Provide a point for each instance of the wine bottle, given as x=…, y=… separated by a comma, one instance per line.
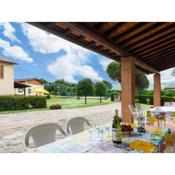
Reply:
x=116, y=129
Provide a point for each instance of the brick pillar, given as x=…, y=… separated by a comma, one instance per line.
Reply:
x=157, y=90
x=128, y=87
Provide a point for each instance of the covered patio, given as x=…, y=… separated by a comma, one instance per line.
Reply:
x=148, y=46
x=21, y=86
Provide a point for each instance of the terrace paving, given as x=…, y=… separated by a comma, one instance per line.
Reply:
x=14, y=126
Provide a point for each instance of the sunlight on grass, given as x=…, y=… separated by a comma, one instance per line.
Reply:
x=74, y=103
x=68, y=103
x=145, y=107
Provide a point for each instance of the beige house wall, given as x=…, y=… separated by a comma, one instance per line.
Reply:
x=7, y=83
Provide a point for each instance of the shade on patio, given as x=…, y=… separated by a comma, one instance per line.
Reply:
x=19, y=85
x=148, y=46
x=40, y=91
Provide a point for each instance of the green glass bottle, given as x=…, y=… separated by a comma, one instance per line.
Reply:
x=116, y=129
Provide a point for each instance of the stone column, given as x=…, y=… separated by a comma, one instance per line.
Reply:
x=128, y=87
x=157, y=90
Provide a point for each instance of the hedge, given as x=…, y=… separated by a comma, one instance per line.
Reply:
x=166, y=99
x=9, y=103
x=143, y=99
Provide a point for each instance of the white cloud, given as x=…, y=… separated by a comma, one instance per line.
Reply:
x=166, y=76
x=104, y=62
x=74, y=63
x=9, y=31
x=69, y=66
x=45, y=42
x=14, y=51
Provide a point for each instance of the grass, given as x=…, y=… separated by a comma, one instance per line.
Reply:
x=74, y=103
x=68, y=103
x=65, y=103
x=145, y=107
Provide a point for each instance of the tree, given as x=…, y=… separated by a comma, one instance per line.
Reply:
x=100, y=89
x=43, y=81
x=114, y=72
x=85, y=88
x=51, y=88
x=107, y=84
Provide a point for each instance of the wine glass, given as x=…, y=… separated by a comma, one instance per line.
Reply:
x=102, y=130
x=91, y=133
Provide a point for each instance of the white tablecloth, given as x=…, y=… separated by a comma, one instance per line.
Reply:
x=167, y=109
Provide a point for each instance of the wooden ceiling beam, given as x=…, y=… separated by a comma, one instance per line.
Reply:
x=69, y=38
x=162, y=59
x=133, y=28
x=158, y=29
x=159, y=51
x=114, y=28
x=108, y=44
x=99, y=25
x=165, y=66
x=157, y=47
x=150, y=28
x=163, y=54
x=146, y=67
x=149, y=44
x=171, y=54
x=88, y=32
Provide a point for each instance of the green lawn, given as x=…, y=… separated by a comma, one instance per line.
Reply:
x=74, y=103
x=145, y=107
x=65, y=103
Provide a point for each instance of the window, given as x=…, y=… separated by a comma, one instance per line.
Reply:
x=1, y=72
x=29, y=91
x=20, y=90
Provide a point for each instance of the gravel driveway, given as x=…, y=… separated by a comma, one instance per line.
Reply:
x=14, y=126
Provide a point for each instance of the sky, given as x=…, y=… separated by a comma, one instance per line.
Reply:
x=42, y=55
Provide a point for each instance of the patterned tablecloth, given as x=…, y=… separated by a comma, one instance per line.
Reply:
x=90, y=141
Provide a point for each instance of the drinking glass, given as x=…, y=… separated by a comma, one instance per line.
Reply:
x=101, y=129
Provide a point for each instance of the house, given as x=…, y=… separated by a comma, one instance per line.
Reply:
x=6, y=77
x=32, y=84
x=9, y=86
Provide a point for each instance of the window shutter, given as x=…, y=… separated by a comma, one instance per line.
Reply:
x=1, y=72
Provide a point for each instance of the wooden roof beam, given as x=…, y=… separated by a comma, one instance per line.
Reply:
x=160, y=52
x=86, y=31
x=149, y=35
x=152, y=43
x=157, y=47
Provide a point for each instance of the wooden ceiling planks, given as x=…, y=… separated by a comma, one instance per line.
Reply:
x=153, y=44
x=147, y=34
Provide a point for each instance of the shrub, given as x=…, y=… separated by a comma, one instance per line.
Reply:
x=166, y=99
x=168, y=93
x=9, y=103
x=112, y=97
x=143, y=99
x=48, y=96
x=55, y=106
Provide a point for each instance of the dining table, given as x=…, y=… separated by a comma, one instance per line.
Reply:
x=95, y=141
x=167, y=111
